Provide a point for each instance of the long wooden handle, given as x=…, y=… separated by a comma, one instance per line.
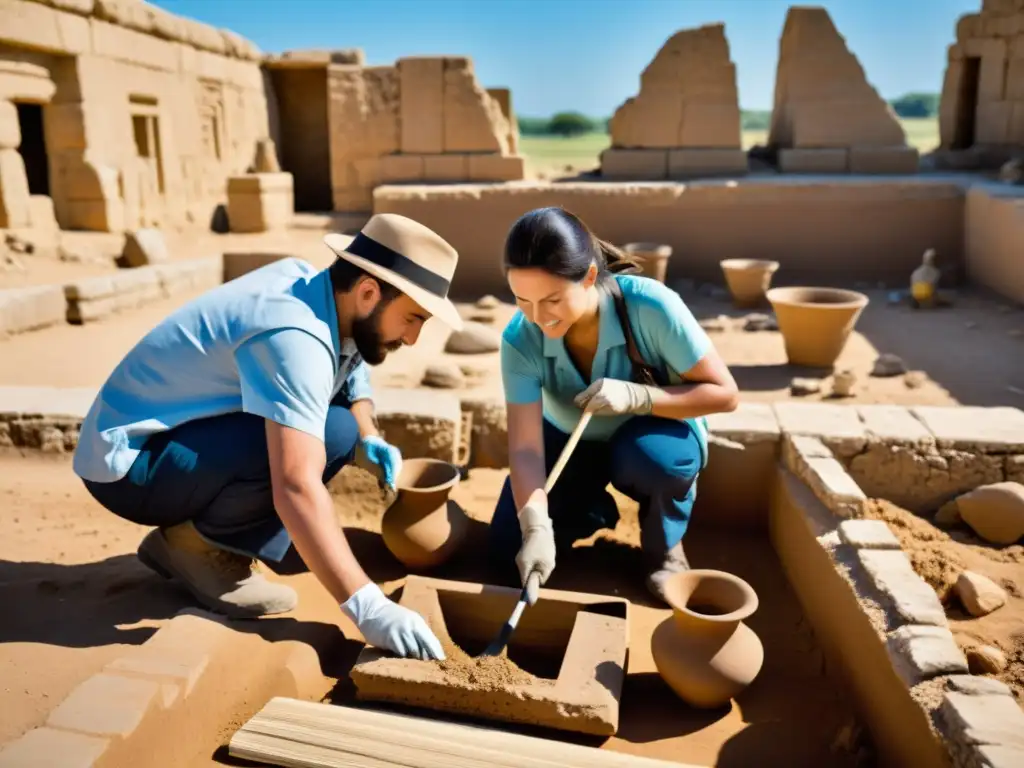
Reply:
x=563, y=457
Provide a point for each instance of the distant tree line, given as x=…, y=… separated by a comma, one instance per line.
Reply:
x=569, y=124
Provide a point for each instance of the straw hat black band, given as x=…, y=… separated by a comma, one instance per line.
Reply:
x=369, y=249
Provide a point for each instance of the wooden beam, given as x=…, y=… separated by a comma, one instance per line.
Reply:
x=303, y=734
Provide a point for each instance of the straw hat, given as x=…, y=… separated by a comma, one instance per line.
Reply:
x=409, y=256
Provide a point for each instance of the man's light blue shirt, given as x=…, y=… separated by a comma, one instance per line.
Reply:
x=265, y=343
x=668, y=337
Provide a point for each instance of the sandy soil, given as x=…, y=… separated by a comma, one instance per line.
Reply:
x=940, y=556
x=81, y=596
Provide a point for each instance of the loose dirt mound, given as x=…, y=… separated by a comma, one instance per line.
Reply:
x=939, y=557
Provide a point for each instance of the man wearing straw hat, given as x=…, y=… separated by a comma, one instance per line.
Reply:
x=222, y=426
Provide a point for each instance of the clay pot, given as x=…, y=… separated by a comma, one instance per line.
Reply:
x=815, y=322
x=422, y=527
x=704, y=651
x=653, y=258
x=748, y=279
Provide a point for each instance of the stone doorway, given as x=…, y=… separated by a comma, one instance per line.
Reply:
x=33, y=148
x=967, y=104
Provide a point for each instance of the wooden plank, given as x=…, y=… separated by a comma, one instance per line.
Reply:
x=303, y=734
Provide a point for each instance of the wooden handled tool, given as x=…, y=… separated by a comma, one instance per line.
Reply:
x=499, y=643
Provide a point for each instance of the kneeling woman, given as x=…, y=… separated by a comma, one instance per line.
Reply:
x=567, y=351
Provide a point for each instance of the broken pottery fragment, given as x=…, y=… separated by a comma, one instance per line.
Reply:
x=843, y=383
x=704, y=651
x=423, y=527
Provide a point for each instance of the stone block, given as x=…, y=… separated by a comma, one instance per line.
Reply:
x=401, y=168
x=814, y=160
x=586, y=651
x=920, y=653
x=831, y=123
x=26, y=309
x=421, y=112
x=70, y=403
x=903, y=591
x=893, y=424
x=497, y=168
x=983, y=720
x=710, y=126
x=976, y=685
x=974, y=428
x=868, y=534
x=694, y=163
x=41, y=213
x=422, y=423
x=1015, y=80
x=473, y=121
x=144, y=247
x=489, y=432
x=884, y=160
x=260, y=202
x=14, y=194
x=1015, y=469
x=635, y=164
x=448, y=167
x=10, y=128
x=992, y=78
x=107, y=705
x=798, y=449
x=837, y=426
x=94, y=298
x=993, y=122
x=749, y=423
x=834, y=486
x=51, y=748
x=182, y=667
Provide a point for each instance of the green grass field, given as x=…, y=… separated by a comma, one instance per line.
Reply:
x=552, y=156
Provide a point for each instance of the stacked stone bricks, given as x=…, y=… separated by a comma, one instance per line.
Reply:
x=424, y=119
x=827, y=117
x=144, y=114
x=984, y=82
x=685, y=121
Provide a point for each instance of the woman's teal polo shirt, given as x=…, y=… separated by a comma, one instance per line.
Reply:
x=668, y=336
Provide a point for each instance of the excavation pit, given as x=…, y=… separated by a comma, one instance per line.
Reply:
x=563, y=668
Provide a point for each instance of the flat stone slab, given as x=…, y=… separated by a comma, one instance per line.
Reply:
x=838, y=426
x=589, y=633
x=892, y=423
x=868, y=534
x=923, y=652
x=749, y=423
x=907, y=593
x=978, y=720
x=52, y=748
x=989, y=430
x=45, y=402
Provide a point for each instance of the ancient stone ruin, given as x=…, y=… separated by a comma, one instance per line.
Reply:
x=118, y=114
x=685, y=121
x=827, y=117
x=982, y=108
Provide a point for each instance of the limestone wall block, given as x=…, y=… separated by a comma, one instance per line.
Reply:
x=882, y=160
x=14, y=194
x=692, y=163
x=10, y=130
x=123, y=44
x=993, y=122
x=448, y=167
x=705, y=126
x=26, y=309
x=399, y=168
x=798, y=160
x=24, y=81
x=634, y=164
x=24, y=23
x=422, y=107
x=260, y=202
x=473, y=121
x=496, y=168
x=992, y=78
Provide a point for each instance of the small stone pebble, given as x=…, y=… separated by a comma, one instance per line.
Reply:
x=799, y=386
x=843, y=383
x=888, y=364
x=914, y=379
x=443, y=376
x=715, y=324
x=979, y=594
x=760, y=322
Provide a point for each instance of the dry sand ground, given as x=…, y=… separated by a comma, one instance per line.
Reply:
x=76, y=595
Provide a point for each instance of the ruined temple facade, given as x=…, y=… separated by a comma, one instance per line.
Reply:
x=685, y=121
x=346, y=128
x=983, y=90
x=115, y=114
x=827, y=117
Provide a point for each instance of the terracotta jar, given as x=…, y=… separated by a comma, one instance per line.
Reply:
x=816, y=322
x=704, y=651
x=423, y=527
x=748, y=279
x=653, y=258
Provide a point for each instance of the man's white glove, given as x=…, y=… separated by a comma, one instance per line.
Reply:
x=614, y=397
x=537, y=553
x=390, y=626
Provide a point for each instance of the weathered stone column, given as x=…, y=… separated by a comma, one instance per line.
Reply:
x=14, y=196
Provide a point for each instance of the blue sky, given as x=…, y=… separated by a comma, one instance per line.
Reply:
x=587, y=55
